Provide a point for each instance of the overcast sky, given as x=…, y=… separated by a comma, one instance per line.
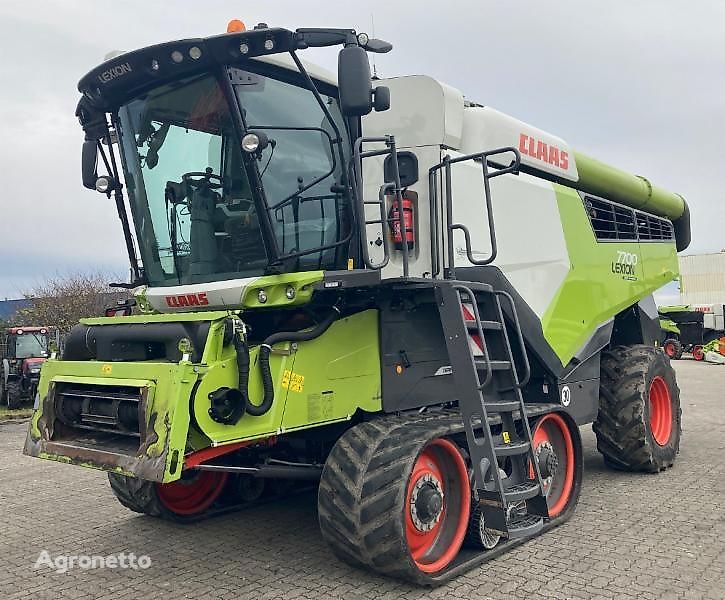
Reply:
x=639, y=84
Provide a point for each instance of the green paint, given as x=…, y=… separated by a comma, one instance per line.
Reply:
x=600, y=179
x=669, y=326
x=680, y=308
x=592, y=293
x=184, y=317
x=321, y=381
x=341, y=371
x=276, y=287
x=168, y=387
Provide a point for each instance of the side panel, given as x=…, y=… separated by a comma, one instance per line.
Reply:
x=324, y=380
x=532, y=251
x=600, y=283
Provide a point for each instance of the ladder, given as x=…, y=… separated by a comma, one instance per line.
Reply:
x=487, y=385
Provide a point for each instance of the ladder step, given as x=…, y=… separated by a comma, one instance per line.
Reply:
x=522, y=491
x=524, y=526
x=500, y=407
x=485, y=325
x=496, y=365
x=520, y=447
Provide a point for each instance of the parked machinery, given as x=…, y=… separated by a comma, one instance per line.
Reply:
x=410, y=297
x=23, y=351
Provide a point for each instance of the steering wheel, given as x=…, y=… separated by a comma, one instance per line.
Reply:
x=197, y=179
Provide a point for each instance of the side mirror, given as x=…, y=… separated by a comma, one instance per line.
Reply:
x=354, y=81
x=89, y=164
x=381, y=97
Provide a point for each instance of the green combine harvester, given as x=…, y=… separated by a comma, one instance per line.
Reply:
x=374, y=284
x=691, y=328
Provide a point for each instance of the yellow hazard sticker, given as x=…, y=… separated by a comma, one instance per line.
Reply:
x=506, y=437
x=350, y=264
x=294, y=382
x=107, y=369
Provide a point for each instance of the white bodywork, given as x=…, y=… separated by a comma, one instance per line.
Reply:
x=433, y=120
x=712, y=315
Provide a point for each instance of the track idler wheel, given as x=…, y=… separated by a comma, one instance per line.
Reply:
x=189, y=499
x=557, y=448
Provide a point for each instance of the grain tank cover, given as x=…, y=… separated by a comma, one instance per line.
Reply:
x=485, y=127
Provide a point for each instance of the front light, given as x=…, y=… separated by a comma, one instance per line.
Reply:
x=268, y=44
x=177, y=56
x=250, y=142
x=195, y=53
x=103, y=184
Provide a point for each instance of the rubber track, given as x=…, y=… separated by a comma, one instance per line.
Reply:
x=361, y=497
x=137, y=495
x=621, y=427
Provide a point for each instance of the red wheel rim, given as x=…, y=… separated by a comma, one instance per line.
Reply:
x=193, y=494
x=442, y=465
x=660, y=411
x=697, y=353
x=670, y=349
x=552, y=428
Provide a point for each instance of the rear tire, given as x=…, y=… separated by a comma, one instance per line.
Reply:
x=672, y=348
x=698, y=354
x=638, y=427
x=14, y=394
x=376, y=474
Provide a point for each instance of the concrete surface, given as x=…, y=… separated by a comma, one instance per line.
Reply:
x=633, y=536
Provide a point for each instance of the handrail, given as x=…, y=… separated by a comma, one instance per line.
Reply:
x=388, y=186
x=479, y=328
x=445, y=165
x=519, y=334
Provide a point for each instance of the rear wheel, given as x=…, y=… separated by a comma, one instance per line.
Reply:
x=672, y=348
x=13, y=394
x=187, y=499
x=638, y=427
x=395, y=497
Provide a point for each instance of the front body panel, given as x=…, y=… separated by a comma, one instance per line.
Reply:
x=134, y=418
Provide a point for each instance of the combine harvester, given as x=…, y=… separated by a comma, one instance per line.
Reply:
x=692, y=328
x=410, y=297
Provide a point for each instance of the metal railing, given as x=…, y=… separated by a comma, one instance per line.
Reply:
x=487, y=160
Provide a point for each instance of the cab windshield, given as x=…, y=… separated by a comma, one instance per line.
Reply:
x=31, y=345
x=195, y=195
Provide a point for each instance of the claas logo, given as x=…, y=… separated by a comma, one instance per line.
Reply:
x=540, y=150
x=182, y=300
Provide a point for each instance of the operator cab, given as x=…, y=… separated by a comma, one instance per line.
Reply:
x=236, y=165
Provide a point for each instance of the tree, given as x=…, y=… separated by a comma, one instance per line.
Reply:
x=63, y=300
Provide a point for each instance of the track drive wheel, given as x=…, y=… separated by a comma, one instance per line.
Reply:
x=184, y=500
x=672, y=348
x=638, y=427
x=698, y=353
x=395, y=497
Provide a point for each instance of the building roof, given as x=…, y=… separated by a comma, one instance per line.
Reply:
x=9, y=308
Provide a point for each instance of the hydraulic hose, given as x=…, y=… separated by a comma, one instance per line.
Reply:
x=265, y=350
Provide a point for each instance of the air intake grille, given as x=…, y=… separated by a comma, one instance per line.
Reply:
x=611, y=221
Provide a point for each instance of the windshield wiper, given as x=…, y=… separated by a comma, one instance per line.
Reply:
x=170, y=196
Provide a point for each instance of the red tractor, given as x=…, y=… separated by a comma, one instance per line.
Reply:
x=23, y=352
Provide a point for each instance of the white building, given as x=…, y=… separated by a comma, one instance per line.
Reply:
x=703, y=278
